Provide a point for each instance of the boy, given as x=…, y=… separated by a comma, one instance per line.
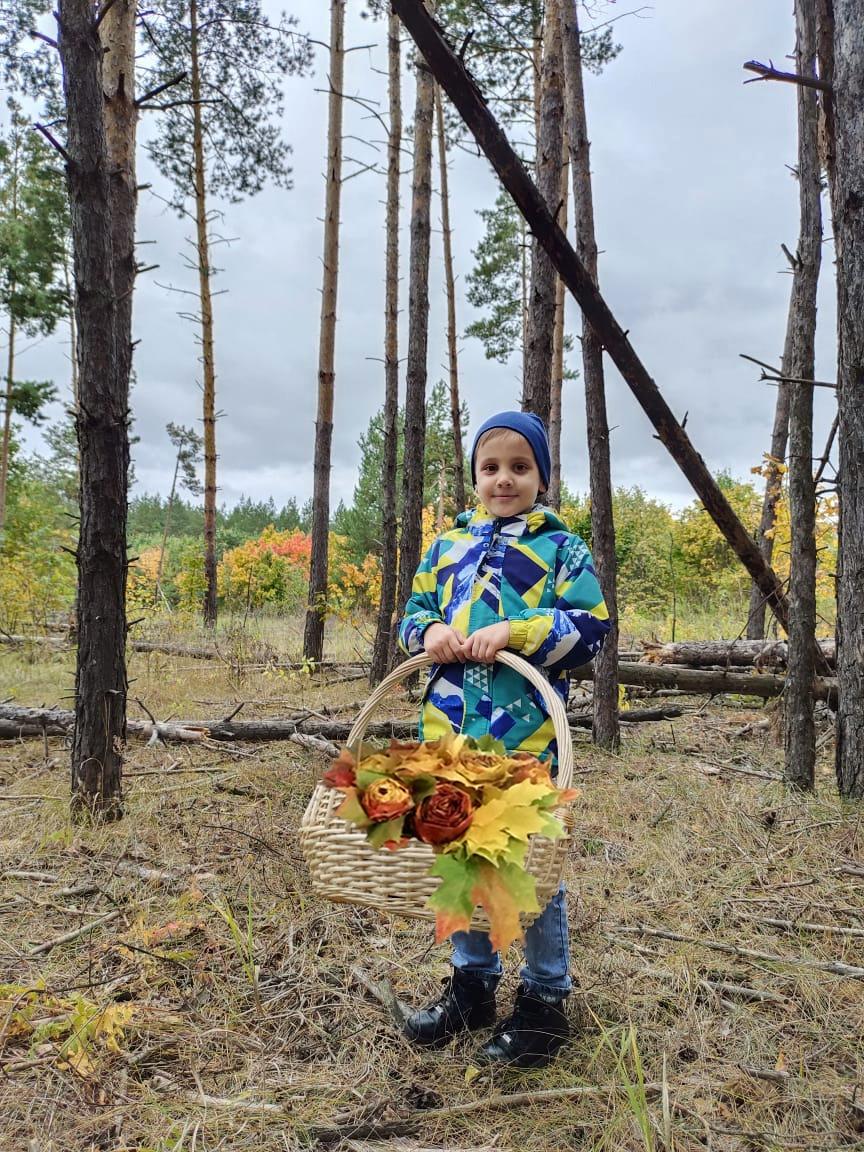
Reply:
x=509, y=575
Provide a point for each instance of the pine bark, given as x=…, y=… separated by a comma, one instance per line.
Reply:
x=799, y=725
x=605, y=730
x=418, y=332
x=553, y=494
x=313, y=639
x=451, y=74
x=101, y=421
x=384, y=648
x=848, y=213
x=450, y=287
x=537, y=385
x=202, y=241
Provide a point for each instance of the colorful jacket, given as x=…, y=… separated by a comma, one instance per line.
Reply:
x=527, y=569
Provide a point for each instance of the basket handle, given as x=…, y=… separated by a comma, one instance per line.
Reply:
x=551, y=699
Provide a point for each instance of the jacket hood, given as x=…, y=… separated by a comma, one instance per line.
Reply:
x=536, y=519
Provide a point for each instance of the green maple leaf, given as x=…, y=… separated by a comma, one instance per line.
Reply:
x=379, y=834
x=350, y=809
x=451, y=900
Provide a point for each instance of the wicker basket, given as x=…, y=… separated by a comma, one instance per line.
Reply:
x=345, y=869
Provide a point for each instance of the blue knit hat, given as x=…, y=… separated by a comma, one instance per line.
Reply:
x=527, y=425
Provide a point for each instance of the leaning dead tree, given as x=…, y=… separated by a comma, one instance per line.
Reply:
x=799, y=727
x=103, y=215
x=605, y=730
x=453, y=77
x=847, y=200
x=313, y=637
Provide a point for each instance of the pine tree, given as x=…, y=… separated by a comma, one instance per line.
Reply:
x=34, y=225
x=313, y=636
x=218, y=134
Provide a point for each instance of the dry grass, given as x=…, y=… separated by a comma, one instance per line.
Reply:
x=237, y=1022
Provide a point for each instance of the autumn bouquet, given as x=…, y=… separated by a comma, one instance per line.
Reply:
x=477, y=807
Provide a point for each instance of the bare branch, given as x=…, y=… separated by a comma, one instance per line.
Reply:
x=769, y=72
x=41, y=36
x=823, y=463
x=161, y=88
x=54, y=142
x=772, y=375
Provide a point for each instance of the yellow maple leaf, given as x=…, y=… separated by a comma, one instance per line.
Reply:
x=505, y=815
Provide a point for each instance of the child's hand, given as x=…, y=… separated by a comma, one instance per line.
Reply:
x=485, y=643
x=444, y=644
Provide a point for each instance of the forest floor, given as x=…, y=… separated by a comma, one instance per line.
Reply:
x=211, y=1001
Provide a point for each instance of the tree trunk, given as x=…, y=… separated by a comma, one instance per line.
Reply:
x=165, y=527
x=553, y=494
x=799, y=727
x=384, y=647
x=313, y=638
x=450, y=283
x=848, y=205
x=773, y=484
x=100, y=685
x=73, y=330
x=606, y=731
x=418, y=332
x=6, y=445
x=450, y=72
x=117, y=33
x=207, y=358
x=7, y=424
x=536, y=389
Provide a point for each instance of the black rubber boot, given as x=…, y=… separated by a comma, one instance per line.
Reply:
x=531, y=1036
x=466, y=1003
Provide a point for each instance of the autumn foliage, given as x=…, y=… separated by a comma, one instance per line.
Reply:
x=475, y=805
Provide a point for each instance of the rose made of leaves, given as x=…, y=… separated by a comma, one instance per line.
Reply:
x=444, y=815
x=385, y=800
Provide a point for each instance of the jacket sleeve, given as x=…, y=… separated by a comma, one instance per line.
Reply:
x=573, y=630
x=422, y=608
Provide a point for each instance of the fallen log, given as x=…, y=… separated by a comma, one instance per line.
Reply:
x=19, y=723
x=727, y=653
x=702, y=682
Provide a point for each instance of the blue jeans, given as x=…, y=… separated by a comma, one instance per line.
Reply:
x=546, y=971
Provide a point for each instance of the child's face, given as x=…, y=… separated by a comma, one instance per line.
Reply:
x=508, y=480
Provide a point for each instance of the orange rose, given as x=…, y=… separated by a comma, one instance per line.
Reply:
x=444, y=815
x=386, y=799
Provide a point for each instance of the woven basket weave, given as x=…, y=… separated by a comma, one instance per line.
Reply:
x=347, y=870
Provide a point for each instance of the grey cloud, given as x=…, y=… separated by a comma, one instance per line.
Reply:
x=692, y=201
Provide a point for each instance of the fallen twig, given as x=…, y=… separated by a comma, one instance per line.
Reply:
x=837, y=967
x=68, y=937
x=427, y=1116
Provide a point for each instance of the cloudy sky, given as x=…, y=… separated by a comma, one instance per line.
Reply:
x=693, y=198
